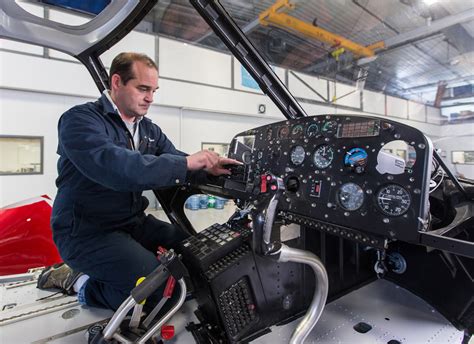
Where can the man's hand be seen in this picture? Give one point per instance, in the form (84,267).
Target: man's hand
(210,162)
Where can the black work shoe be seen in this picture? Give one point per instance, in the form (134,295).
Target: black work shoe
(58,276)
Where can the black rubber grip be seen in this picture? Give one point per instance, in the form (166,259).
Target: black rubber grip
(150,284)
(177,268)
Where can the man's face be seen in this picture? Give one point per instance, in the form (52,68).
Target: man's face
(134,98)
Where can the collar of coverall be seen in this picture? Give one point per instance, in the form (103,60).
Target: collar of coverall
(106,93)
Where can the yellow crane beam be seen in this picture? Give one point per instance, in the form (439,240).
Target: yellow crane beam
(275,16)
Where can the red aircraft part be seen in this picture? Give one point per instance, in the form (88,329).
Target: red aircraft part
(25,236)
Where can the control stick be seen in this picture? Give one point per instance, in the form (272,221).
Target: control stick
(267,243)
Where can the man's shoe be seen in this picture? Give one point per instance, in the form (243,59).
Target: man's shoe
(58,276)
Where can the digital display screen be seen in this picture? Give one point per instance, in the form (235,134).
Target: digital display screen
(359,129)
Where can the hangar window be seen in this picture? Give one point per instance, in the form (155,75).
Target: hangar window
(220,148)
(21,155)
(463,157)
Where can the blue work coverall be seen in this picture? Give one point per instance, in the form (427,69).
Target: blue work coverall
(98,219)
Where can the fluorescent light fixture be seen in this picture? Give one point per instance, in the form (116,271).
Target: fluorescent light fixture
(430,2)
(365,60)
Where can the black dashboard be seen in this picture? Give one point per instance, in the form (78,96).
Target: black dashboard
(363,178)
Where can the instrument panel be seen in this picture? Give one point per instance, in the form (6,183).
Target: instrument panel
(350,175)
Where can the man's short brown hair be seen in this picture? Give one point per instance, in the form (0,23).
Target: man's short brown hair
(123,63)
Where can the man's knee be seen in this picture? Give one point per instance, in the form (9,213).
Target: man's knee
(154,233)
(108,292)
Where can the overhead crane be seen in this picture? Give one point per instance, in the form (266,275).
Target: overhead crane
(275,15)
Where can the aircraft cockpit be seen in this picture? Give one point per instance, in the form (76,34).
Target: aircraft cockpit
(326,204)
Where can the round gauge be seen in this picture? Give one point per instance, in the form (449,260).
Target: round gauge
(329,128)
(297,131)
(350,196)
(355,157)
(313,130)
(323,156)
(247,157)
(283,132)
(393,200)
(297,155)
(269,134)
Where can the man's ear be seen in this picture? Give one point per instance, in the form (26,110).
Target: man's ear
(116,81)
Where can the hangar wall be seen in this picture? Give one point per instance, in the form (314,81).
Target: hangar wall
(204,96)
(457,137)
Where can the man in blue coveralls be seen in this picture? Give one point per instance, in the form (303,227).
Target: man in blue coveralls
(109,153)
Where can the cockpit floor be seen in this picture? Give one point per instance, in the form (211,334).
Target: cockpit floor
(393,313)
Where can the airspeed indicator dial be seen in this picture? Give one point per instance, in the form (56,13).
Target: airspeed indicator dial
(393,200)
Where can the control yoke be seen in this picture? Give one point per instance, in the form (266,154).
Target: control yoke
(268,243)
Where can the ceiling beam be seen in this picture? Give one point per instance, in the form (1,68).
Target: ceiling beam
(410,37)
(467,79)
(246,29)
(427,30)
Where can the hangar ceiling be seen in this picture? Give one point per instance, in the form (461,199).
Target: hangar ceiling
(411,67)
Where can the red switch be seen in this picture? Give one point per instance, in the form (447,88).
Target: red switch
(263,184)
(167,332)
(169,287)
(161,250)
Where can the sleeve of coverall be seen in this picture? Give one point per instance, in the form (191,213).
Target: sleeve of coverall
(86,143)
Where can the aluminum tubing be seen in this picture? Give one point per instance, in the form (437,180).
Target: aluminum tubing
(288,254)
(167,316)
(118,317)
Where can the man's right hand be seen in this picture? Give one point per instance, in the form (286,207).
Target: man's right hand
(210,162)
(202,160)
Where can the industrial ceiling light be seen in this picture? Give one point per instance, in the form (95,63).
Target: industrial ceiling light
(455,61)
(430,2)
(365,60)
(463,59)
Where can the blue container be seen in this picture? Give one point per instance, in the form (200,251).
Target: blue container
(203,199)
(220,202)
(192,202)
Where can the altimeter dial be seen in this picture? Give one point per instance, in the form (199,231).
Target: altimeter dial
(393,200)
(323,156)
